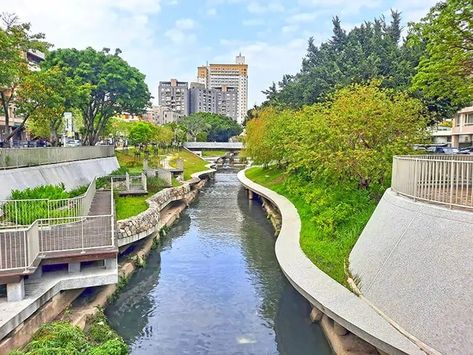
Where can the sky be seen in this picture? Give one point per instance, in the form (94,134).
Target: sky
(169,38)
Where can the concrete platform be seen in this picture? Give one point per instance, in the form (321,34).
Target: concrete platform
(41,290)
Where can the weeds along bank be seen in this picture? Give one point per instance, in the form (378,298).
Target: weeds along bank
(332,160)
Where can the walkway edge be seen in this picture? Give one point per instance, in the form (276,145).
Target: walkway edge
(321,290)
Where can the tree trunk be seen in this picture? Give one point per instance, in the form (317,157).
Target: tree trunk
(5,104)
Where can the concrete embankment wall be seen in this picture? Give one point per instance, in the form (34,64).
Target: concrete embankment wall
(414,262)
(72,174)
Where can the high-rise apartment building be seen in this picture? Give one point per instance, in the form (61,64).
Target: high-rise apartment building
(202,99)
(232,77)
(174,95)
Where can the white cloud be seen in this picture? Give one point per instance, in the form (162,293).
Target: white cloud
(302,17)
(253,22)
(212,11)
(261,8)
(289,29)
(181,31)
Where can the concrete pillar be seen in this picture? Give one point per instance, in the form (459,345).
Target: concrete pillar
(316,315)
(250,194)
(73,267)
(339,330)
(111,264)
(16,291)
(37,274)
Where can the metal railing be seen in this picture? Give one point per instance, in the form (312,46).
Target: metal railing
(22,157)
(77,231)
(441,179)
(21,213)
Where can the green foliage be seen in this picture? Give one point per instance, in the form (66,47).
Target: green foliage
(368,51)
(114,86)
(64,338)
(445,72)
(52,192)
(142,133)
(340,140)
(332,216)
(210,127)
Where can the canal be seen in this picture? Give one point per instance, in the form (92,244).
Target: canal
(214,286)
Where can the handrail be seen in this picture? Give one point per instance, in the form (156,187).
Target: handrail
(23,157)
(16,212)
(440,179)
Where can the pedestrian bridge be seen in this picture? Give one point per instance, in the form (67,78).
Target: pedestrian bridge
(230,146)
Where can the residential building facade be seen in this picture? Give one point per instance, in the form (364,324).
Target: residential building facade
(228,78)
(462,128)
(202,99)
(174,95)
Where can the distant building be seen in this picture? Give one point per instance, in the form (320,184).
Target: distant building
(166,115)
(462,128)
(202,99)
(174,95)
(228,78)
(227,102)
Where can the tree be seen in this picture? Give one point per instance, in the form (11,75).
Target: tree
(445,72)
(16,40)
(142,133)
(42,99)
(195,124)
(115,86)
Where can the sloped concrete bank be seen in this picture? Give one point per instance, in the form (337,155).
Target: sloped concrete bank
(71,174)
(414,262)
(342,310)
(53,309)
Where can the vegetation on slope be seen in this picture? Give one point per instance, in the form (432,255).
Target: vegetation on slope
(192,163)
(332,216)
(64,338)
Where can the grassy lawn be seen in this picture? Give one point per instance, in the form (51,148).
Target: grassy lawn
(192,163)
(213,153)
(134,163)
(129,206)
(332,217)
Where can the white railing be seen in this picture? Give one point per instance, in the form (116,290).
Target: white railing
(441,179)
(22,157)
(21,213)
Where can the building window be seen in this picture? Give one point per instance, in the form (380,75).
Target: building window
(469,119)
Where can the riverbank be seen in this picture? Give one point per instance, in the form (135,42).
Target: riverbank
(82,315)
(348,315)
(332,217)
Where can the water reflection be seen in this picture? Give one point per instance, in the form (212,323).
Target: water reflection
(214,287)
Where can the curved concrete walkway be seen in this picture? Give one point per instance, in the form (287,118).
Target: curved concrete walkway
(322,291)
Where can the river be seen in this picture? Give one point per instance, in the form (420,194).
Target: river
(214,286)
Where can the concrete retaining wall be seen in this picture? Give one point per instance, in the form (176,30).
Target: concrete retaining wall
(72,174)
(414,262)
(324,293)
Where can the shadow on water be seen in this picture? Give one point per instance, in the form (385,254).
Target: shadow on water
(214,286)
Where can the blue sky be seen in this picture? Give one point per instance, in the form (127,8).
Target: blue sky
(170,38)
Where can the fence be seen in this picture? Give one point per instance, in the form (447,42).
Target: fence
(21,213)
(442,179)
(21,157)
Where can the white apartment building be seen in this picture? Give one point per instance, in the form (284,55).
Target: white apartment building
(228,78)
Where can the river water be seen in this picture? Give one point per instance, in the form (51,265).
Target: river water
(214,286)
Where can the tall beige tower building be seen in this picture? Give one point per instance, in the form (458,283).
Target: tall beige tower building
(228,78)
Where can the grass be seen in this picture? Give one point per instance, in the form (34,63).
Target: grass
(332,217)
(192,163)
(132,159)
(213,153)
(129,206)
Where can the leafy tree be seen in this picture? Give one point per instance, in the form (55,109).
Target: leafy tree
(195,124)
(368,51)
(211,127)
(115,86)
(445,71)
(43,98)
(142,133)
(339,140)
(16,40)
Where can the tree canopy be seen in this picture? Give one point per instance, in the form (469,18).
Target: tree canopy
(115,86)
(445,71)
(215,127)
